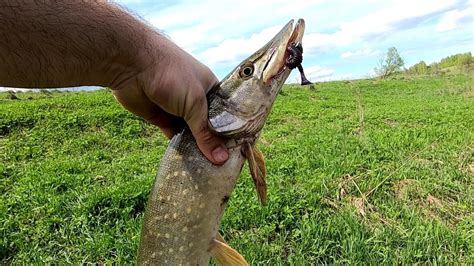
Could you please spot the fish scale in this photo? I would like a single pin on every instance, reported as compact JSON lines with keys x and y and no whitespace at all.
{"x":190,"y":193}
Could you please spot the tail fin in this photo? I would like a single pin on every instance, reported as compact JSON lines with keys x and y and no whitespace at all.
{"x":225,"y":255}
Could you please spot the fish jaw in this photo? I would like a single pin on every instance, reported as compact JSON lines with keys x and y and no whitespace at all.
{"x":276,"y":66}
{"x":240,"y":104}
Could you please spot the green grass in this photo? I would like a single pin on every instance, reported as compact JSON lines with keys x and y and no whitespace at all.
{"x":359,"y":172}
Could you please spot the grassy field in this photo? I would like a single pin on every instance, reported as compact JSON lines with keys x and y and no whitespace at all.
{"x":359,"y":172}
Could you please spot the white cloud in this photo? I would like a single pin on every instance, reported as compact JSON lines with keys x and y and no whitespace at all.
{"x":453,"y":19}
{"x":397,"y":15}
{"x":315,"y":73}
{"x":222,"y":48}
{"x":228,"y":15}
{"x":178,"y":15}
{"x":393,"y":16}
{"x":194,"y":25}
{"x":313,"y":41}
{"x":346,"y":76}
{"x":190,"y":38}
{"x":364,"y":52}
{"x":233,"y":50}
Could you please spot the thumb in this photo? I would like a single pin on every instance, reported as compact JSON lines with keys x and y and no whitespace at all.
{"x":212,"y":146}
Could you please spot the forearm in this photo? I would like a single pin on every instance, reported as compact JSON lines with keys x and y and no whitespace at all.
{"x":72,"y":43}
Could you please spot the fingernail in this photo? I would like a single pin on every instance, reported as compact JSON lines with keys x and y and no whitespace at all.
{"x":220,"y":154}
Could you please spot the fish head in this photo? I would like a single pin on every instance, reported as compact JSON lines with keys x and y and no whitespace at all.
{"x":241,"y":102}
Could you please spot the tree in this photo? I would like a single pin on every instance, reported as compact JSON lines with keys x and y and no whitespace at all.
{"x":419,"y":68}
{"x":434,"y":69}
{"x":389,"y":63}
{"x":465,"y":59}
{"x":456,"y":60}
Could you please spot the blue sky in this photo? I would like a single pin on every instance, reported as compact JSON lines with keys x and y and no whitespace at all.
{"x":343,"y":39}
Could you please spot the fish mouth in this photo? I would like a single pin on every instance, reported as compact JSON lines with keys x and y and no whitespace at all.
{"x":278,"y":52}
{"x":244,"y":118}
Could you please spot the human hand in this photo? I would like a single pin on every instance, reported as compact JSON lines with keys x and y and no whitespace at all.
{"x":173,"y":86}
{"x":149,"y":75}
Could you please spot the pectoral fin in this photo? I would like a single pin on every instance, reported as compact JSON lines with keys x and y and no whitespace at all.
{"x":257,"y":170}
{"x":225,"y":255}
{"x":260,"y":161}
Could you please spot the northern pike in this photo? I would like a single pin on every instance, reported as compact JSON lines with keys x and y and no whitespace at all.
{"x":190,"y":193}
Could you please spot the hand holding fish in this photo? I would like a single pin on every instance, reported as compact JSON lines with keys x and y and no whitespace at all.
{"x":49,"y":44}
{"x":173,"y":87}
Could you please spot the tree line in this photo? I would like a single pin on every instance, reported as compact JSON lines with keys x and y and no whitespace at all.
{"x":459,"y":61}
{"x":391,"y":63}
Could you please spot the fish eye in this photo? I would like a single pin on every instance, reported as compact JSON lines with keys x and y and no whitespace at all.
{"x":246,"y":71}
